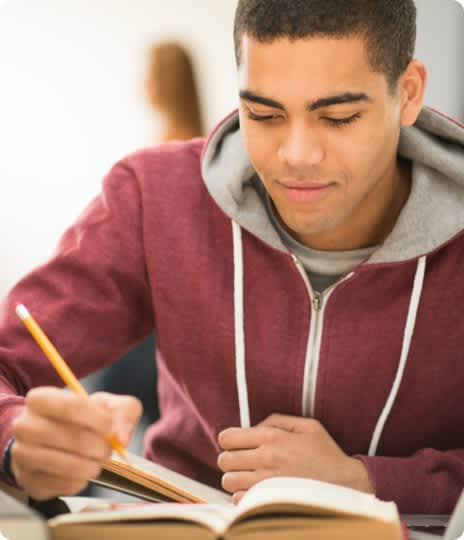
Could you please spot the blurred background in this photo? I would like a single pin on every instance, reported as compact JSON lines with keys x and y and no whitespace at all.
{"x":73,"y":101}
{"x":73,"y":97}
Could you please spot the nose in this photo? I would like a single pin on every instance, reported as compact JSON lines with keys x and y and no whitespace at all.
{"x":300,"y":146}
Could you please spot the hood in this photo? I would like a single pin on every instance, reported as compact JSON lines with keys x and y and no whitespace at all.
{"x":433,"y":214}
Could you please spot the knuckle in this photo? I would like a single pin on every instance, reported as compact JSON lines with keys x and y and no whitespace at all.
{"x":268,"y":457}
{"x":80,"y":445}
{"x":269,"y":435}
{"x":68,"y":409}
{"x":273,"y":418}
{"x":101,"y":450}
{"x":20,"y":427}
{"x":87,"y":443}
{"x":266,"y":474}
{"x":101,"y":419}
{"x":313,"y":426}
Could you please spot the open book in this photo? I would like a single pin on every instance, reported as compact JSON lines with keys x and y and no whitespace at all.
{"x":279,"y":507}
{"x":148,"y":480}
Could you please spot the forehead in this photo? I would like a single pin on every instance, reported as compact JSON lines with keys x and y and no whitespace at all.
{"x":317,"y":65}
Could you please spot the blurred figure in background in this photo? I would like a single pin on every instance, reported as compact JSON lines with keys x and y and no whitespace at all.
{"x":172,"y":91}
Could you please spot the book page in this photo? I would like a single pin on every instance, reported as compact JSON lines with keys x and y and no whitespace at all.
{"x":213,"y":516}
{"x":161,"y":479}
{"x":77,"y":503}
{"x":144,"y":490}
{"x":277,"y":527}
{"x":303,"y":495}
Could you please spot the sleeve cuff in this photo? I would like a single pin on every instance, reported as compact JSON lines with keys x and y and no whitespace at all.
{"x":6,"y":463}
{"x":428,"y":482}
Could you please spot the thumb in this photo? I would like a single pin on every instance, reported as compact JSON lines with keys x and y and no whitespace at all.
{"x":126,"y":412}
{"x":295,"y":424}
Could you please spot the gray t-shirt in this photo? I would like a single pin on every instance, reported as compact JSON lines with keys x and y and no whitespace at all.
{"x":323,"y":268}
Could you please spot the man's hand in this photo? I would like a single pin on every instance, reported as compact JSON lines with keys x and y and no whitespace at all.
{"x":61,"y":439}
{"x":286,"y":446}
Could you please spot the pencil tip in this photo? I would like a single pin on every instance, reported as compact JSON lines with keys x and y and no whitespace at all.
{"x":123,"y":455}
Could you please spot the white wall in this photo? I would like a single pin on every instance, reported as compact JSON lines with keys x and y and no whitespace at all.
{"x":440,"y":45}
{"x":72,"y":103}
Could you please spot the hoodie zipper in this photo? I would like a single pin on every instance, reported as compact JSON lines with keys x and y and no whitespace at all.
{"x":318,"y":303}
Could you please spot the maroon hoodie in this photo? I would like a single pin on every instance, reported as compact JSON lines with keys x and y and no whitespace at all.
{"x":179,"y":241}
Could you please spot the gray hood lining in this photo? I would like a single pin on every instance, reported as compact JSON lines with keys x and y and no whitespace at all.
{"x":433,"y":214}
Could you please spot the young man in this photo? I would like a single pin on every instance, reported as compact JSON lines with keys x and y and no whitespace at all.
{"x":301,"y":269}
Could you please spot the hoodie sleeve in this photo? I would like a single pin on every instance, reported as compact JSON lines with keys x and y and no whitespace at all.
{"x":92,"y":297}
{"x":428,"y":482}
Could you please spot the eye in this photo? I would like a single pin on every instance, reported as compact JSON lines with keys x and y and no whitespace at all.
{"x":339,"y":122}
{"x":261,"y":117}
{"x":257,"y":117}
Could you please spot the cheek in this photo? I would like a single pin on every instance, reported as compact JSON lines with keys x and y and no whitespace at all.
{"x":357,"y":153}
{"x":382,"y":151}
{"x":259,"y":148}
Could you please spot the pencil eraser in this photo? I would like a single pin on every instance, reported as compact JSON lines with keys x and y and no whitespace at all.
{"x":22,"y":312}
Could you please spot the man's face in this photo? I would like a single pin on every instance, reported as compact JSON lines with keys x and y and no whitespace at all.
{"x":321,"y":129}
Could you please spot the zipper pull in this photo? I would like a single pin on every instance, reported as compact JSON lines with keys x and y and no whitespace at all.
{"x":317,"y":301}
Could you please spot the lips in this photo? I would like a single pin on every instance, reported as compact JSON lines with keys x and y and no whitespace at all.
{"x":304,"y":191}
{"x":303,"y":184}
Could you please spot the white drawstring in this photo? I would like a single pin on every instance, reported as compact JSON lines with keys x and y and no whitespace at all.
{"x":408,"y":331}
{"x":239,"y":330}
{"x":239,"y":327}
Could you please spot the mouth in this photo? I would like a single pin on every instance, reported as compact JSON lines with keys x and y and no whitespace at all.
{"x":304,"y":190}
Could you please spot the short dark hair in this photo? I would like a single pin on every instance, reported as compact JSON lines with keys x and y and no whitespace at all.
{"x":388,"y":26}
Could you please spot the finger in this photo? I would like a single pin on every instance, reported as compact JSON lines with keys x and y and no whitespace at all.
{"x":129,"y":406}
{"x":243,"y":480}
{"x":37,"y":459}
{"x":240,"y":460}
{"x":246,"y":438}
{"x":58,"y":404}
{"x":41,"y":431}
{"x":126,"y":412}
{"x":41,"y":486}
{"x":237,"y":496}
{"x":295,"y":424}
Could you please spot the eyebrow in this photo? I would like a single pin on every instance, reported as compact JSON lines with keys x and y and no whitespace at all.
{"x":338,"y":99}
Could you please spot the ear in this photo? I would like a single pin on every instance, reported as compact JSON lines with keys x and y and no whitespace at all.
{"x":412,"y":86}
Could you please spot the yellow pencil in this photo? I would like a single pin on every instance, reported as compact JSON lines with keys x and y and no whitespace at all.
{"x":60,"y":365}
